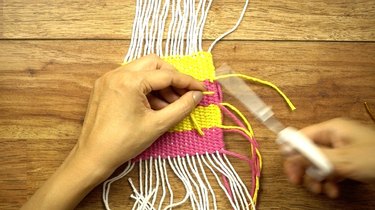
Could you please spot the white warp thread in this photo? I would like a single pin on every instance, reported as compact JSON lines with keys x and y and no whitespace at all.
{"x":183,"y":29}
{"x":191,"y":171}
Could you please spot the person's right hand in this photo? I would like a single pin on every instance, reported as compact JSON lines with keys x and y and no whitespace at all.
{"x":129,"y":108}
{"x":349,"y":145}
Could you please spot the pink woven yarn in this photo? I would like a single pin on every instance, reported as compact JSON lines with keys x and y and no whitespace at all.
{"x":185,"y":142}
{"x":214,"y":98}
{"x":189,"y":142}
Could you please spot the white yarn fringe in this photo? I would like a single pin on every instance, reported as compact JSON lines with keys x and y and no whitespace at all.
{"x":183,"y":28}
{"x":192,"y":171}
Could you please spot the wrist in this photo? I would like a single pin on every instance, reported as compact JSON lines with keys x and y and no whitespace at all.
{"x":76,"y":177}
{"x":82,"y":164}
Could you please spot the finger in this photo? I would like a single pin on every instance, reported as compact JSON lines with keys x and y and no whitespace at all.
{"x":331,"y":189}
{"x":148,"y":63}
{"x":341,"y":161}
{"x":169,"y":95}
{"x":312,"y":185}
{"x":156,"y":103}
{"x":178,"y":110}
{"x":332,"y":133}
{"x":179,"y":91}
{"x":319,"y":133}
{"x":159,"y":80}
{"x":294,"y":168}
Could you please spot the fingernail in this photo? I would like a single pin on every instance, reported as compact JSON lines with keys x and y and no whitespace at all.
{"x":197,"y":96}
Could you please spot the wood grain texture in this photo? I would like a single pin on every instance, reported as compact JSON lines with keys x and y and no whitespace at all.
{"x":264,"y":20}
{"x":45,"y":85}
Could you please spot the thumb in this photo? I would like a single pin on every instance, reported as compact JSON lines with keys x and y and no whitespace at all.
{"x":178,"y":110}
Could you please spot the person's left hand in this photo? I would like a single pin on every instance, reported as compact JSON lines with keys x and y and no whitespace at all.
{"x":132,"y":106}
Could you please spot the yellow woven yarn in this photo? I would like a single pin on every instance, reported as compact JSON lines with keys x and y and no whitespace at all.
{"x":200,"y":66}
{"x":206,"y":117}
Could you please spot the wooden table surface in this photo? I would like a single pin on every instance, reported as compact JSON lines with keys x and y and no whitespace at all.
{"x":321,"y":53}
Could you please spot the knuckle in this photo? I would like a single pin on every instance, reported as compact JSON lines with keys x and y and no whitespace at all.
{"x":98,"y":82}
{"x":143,"y":85}
{"x":341,"y":120}
{"x":170,"y":72}
{"x":124,"y":80}
{"x":106,"y":78}
{"x":153,"y":59}
{"x":153,"y":56}
{"x":342,"y":163}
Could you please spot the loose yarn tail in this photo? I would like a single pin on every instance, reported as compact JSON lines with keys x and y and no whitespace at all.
{"x":263,"y":82}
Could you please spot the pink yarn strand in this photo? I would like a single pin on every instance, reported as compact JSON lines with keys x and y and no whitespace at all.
{"x":231,"y":115}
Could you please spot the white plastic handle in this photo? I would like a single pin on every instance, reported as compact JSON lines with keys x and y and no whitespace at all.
{"x":294,"y":140}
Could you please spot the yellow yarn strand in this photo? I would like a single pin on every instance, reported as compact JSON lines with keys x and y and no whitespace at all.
{"x":194,"y":121}
{"x":255,"y":196}
{"x":208,"y":92}
{"x":233,"y":108}
{"x":236,"y":128}
{"x":196,"y":125}
{"x":241,"y":129}
{"x":260,"y":159}
{"x":287,"y":100}
{"x":247,"y":133}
